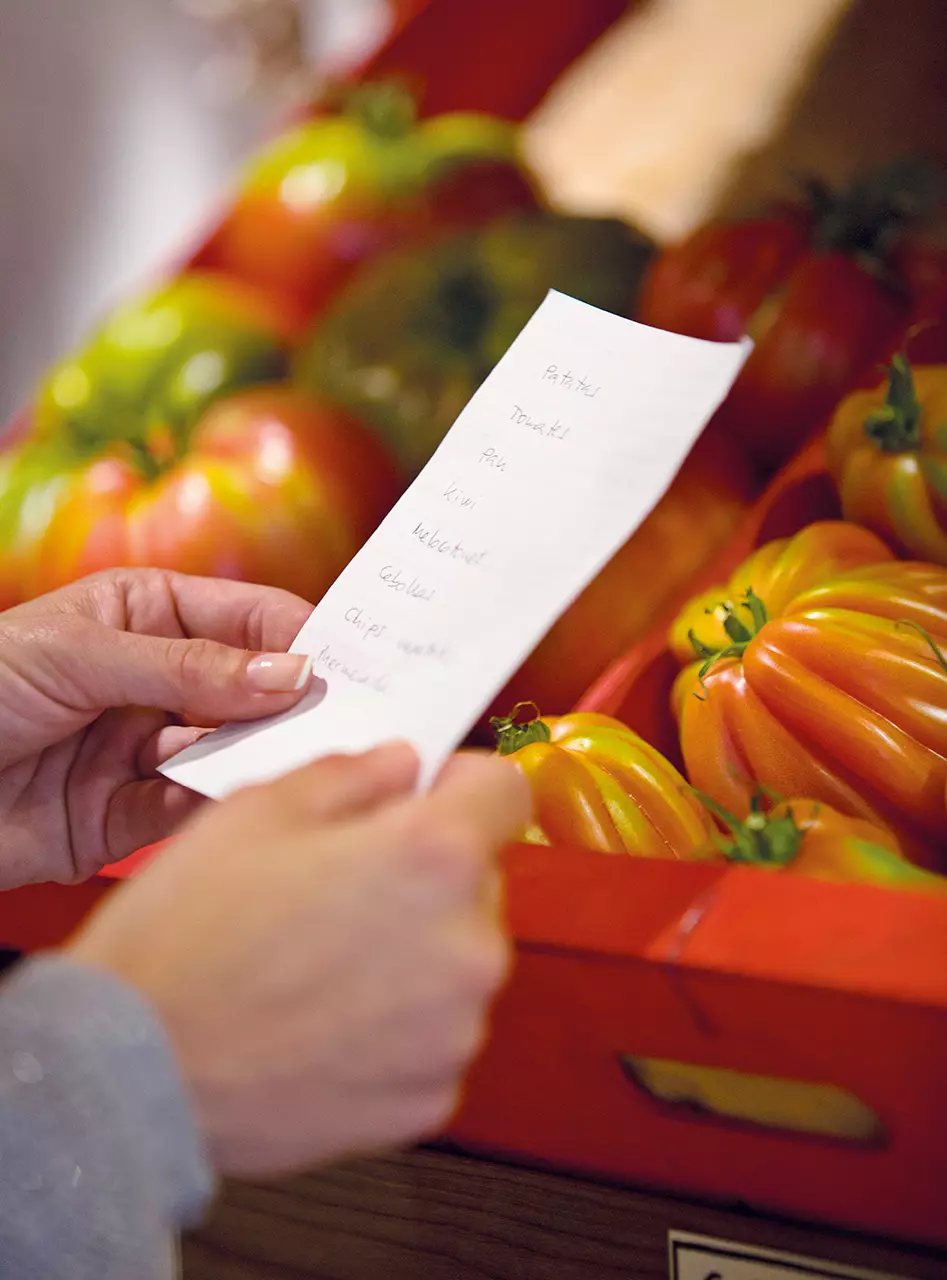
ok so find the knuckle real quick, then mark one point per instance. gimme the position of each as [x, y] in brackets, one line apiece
[201, 662]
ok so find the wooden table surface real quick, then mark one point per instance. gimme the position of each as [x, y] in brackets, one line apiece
[430, 1215]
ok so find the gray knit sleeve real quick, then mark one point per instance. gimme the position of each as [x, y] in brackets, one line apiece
[100, 1158]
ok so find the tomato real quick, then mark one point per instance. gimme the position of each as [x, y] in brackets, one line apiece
[408, 342]
[923, 267]
[273, 488]
[690, 524]
[158, 362]
[347, 184]
[887, 452]
[820, 672]
[808, 838]
[818, 290]
[597, 785]
[33, 477]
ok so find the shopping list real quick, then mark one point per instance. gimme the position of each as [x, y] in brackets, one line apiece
[551, 466]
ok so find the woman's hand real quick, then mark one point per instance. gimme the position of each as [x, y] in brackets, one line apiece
[96, 683]
[321, 951]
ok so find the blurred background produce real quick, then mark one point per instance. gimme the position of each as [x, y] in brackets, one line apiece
[824, 286]
[121, 125]
[363, 177]
[410, 341]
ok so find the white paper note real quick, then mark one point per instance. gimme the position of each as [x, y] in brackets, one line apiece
[555, 461]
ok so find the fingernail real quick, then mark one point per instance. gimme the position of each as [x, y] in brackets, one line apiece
[279, 672]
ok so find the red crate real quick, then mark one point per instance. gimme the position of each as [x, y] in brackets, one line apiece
[770, 982]
[627, 966]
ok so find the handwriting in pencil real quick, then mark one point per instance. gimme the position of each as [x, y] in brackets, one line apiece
[412, 587]
[570, 383]
[454, 550]
[551, 430]
[364, 624]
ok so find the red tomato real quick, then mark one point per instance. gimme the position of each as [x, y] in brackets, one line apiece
[344, 186]
[274, 488]
[823, 294]
[924, 267]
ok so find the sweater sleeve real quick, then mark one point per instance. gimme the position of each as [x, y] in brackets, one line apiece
[101, 1161]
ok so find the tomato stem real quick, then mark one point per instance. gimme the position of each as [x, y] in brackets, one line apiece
[870, 214]
[147, 465]
[512, 734]
[760, 838]
[935, 648]
[896, 428]
[386, 108]
[738, 632]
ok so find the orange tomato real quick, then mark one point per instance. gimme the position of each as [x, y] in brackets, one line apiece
[597, 785]
[808, 838]
[887, 451]
[820, 671]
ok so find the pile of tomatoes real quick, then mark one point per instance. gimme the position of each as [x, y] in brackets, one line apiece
[809, 711]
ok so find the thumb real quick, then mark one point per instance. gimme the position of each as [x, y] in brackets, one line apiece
[205, 682]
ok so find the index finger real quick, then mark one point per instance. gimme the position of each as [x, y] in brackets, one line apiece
[240, 614]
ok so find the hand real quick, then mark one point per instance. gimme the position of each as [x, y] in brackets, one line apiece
[78, 670]
[321, 950]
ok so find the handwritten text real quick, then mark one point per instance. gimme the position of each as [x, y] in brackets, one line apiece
[355, 675]
[413, 588]
[570, 383]
[443, 546]
[551, 430]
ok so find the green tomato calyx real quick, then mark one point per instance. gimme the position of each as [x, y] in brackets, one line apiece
[760, 838]
[512, 734]
[386, 108]
[896, 427]
[739, 632]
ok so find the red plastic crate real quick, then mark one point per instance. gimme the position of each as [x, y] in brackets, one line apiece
[772, 982]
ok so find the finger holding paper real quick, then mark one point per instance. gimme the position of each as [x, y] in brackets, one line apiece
[88, 675]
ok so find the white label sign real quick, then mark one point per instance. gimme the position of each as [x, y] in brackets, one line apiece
[702, 1258]
[555, 461]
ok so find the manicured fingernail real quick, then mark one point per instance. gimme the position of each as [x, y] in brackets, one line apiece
[279, 672]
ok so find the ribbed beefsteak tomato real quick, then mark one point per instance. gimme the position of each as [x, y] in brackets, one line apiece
[597, 785]
[819, 671]
[887, 452]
